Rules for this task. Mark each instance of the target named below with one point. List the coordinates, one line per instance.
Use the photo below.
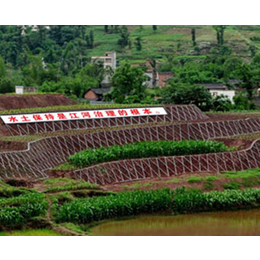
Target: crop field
(49, 180)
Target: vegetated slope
(8, 102)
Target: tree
(252, 50)
(230, 66)
(248, 81)
(128, 80)
(153, 63)
(2, 68)
(124, 37)
(154, 28)
(220, 33)
(193, 36)
(6, 86)
(106, 28)
(221, 103)
(138, 43)
(187, 94)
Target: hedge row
(143, 150)
(132, 203)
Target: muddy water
(236, 223)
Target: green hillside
(173, 40)
(58, 58)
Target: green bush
(18, 210)
(143, 150)
(113, 206)
(132, 203)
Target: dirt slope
(27, 101)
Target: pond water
(235, 223)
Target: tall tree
(138, 43)
(220, 33)
(154, 28)
(124, 37)
(193, 36)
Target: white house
(218, 89)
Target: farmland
(65, 180)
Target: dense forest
(57, 59)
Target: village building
(156, 78)
(108, 61)
(25, 90)
(218, 89)
(95, 94)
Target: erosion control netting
(49, 152)
(174, 113)
(139, 169)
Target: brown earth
(12, 146)
(8, 102)
(168, 182)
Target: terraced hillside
(181, 123)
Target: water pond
(235, 223)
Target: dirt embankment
(12, 146)
(8, 102)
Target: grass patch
(31, 232)
(80, 186)
(233, 185)
(243, 174)
(195, 179)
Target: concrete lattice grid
(47, 153)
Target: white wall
(229, 93)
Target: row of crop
(134, 203)
(144, 150)
(16, 211)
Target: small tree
(2, 68)
(248, 82)
(138, 43)
(90, 40)
(154, 28)
(124, 37)
(193, 36)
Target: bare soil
(8, 102)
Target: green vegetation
(132, 203)
(195, 179)
(233, 185)
(17, 211)
(70, 107)
(144, 149)
(81, 186)
(58, 59)
(30, 232)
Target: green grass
(243, 174)
(195, 179)
(31, 232)
(70, 107)
(233, 185)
